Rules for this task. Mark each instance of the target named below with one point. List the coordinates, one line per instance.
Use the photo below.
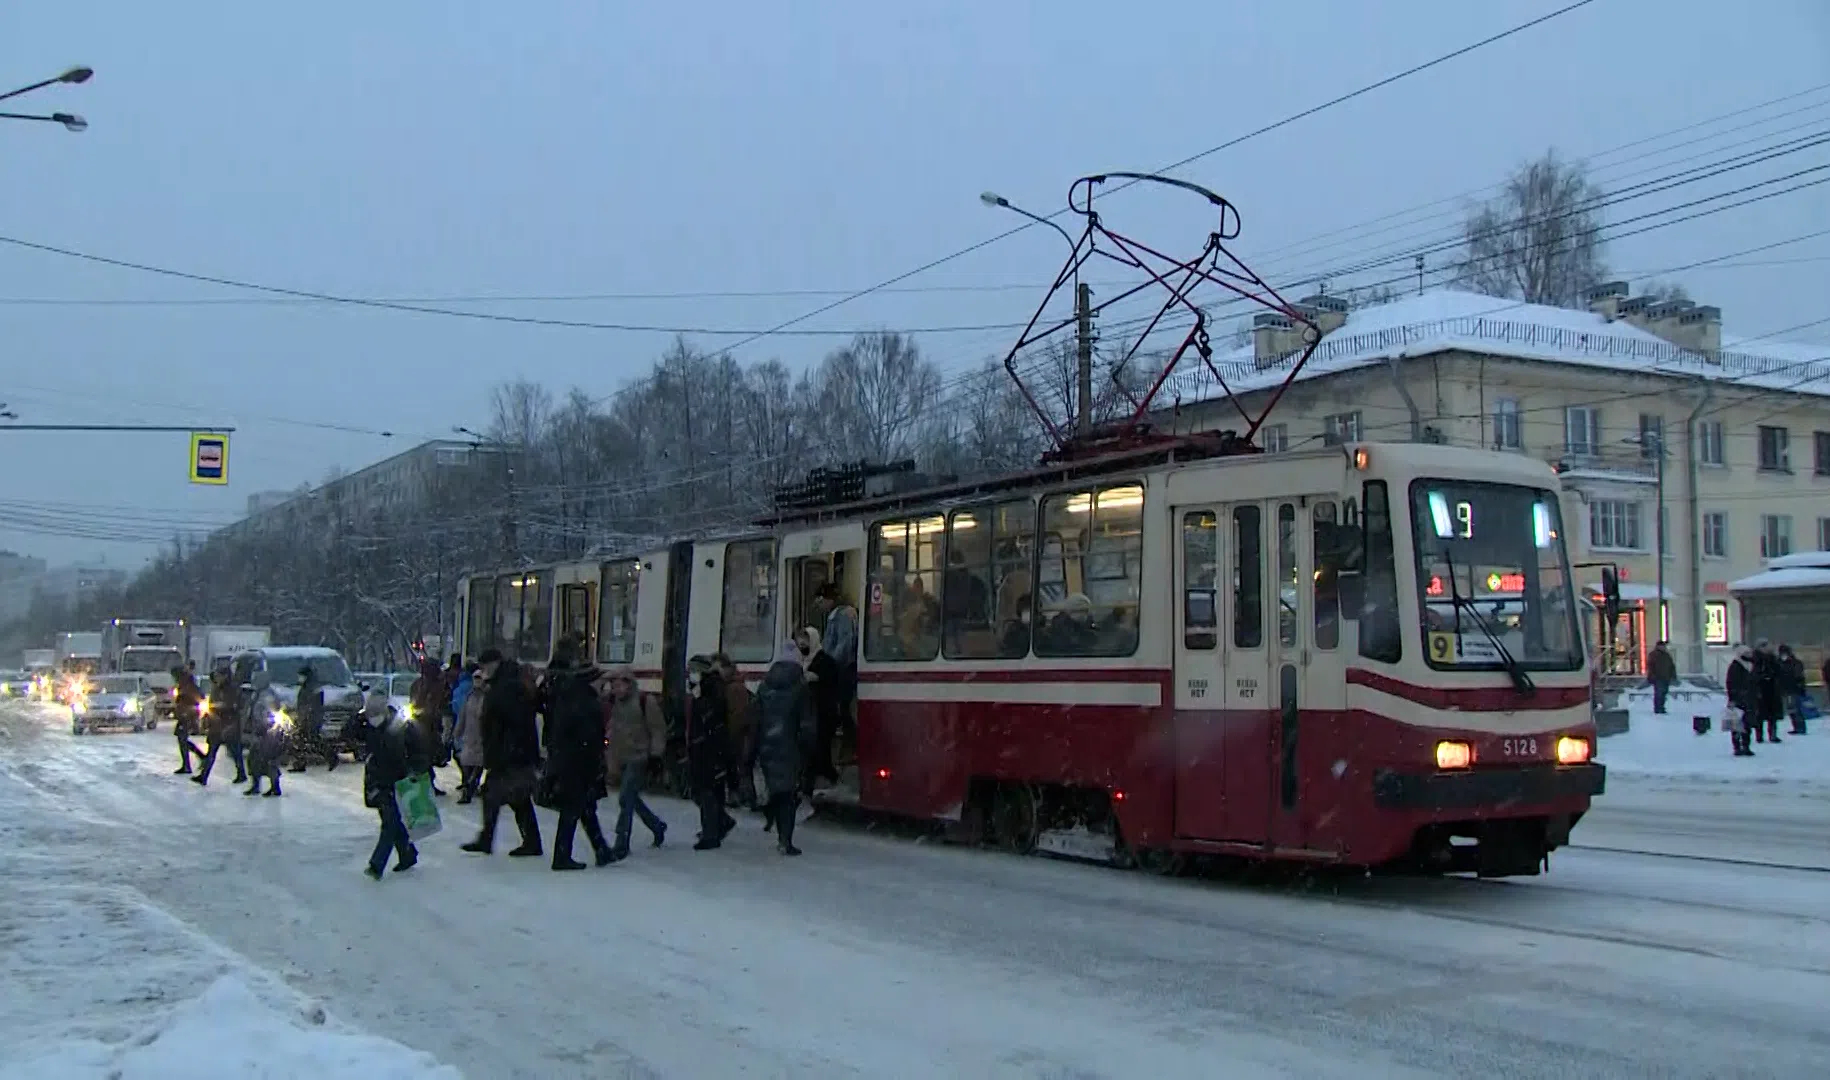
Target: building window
(1775, 535)
(1582, 430)
(1275, 438)
(1709, 443)
(1715, 622)
(1715, 536)
(1341, 428)
(1508, 433)
(1614, 523)
(1820, 444)
(1651, 434)
(1775, 453)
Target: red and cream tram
(1365, 655)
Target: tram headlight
(1573, 751)
(1454, 755)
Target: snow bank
(228, 1032)
(1665, 747)
(103, 984)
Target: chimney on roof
(1327, 312)
(1662, 319)
(1605, 299)
(1699, 327)
(1634, 311)
(1273, 337)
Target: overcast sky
(423, 149)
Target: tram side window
(1380, 636)
(747, 631)
(1092, 572)
(508, 616)
(1248, 578)
(536, 641)
(902, 620)
(1287, 577)
(1200, 577)
(985, 592)
(480, 630)
(1330, 555)
(616, 612)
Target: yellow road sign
(209, 457)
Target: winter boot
(659, 837)
(567, 863)
(200, 780)
(253, 789)
(271, 793)
(373, 873)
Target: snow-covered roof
(1440, 320)
(1800, 570)
(300, 652)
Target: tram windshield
(1493, 577)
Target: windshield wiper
(1521, 681)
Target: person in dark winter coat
(784, 725)
(1792, 687)
(1742, 700)
(739, 781)
(575, 760)
(396, 751)
(269, 741)
(427, 697)
(1661, 672)
(707, 742)
(187, 712)
(511, 754)
(222, 726)
(1767, 693)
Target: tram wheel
(1015, 818)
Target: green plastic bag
(417, 807)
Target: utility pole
(1083, 343)
(1658, 447)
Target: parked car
(113, 701)
(14, 684)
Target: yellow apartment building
(1606, 395)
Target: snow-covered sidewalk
(1666, 747)
(101, 983)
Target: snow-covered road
(882, 957)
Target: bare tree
(873, 397)
(1539, 239)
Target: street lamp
(1083, 314)
(992, 198)
(70, 121)
(74, 76)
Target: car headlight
(282, 719)
(78, 705)
(132, 704)
(411, 711)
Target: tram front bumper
(1472, 789)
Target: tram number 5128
(1526, 747)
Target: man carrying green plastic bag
(397, 782)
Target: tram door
(1227, 654)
